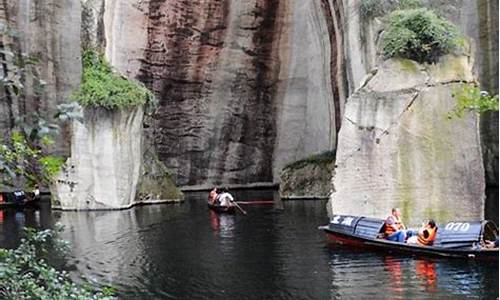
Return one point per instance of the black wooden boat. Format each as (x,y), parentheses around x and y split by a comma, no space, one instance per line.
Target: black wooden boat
(222,209)
(454,239)
(16,199)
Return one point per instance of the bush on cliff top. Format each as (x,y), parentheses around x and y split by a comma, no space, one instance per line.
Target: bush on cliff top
(325,157)
(419,34)
(101,87)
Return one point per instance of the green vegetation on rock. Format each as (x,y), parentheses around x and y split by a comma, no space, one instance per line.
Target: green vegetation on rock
(101,87)
(321,158)
(25,273)
(309,177)
(156,183)
(419,34)
(24,158)
(21,159)
(470,98)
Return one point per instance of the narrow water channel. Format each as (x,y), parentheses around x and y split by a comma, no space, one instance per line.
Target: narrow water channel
(184,251)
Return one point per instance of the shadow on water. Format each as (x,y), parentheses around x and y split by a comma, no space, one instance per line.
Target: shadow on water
(185,251)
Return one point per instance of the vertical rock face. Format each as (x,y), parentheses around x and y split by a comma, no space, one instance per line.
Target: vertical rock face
(214,65)
(244,86)
(488,43)
(48,30)
(105,163)
(476,19)
(397,147)
(311,91)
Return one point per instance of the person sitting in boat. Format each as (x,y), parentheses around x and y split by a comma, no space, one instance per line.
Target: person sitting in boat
(212,197)
(394,227)
(225,199)
(491,244)
(425,236)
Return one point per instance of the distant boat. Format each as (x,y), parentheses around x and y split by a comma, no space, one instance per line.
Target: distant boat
(222,209)
(16,199)
(454,239)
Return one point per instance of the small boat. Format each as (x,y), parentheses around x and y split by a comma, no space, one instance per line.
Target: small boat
(454,239)
(16,199)
(222,209)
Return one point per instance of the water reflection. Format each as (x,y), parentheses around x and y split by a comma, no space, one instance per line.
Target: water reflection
(393,267)
(403,277)
(186,251)
(223,224)
(12,221)
(426,271)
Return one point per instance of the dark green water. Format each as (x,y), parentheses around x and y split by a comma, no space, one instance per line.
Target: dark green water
(184,251)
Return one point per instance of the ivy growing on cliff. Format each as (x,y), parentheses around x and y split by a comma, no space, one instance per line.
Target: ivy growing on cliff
(419,34)
(101,87)
(470,98)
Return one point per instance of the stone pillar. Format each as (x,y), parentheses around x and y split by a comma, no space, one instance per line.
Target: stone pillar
(398,148)
(106,156)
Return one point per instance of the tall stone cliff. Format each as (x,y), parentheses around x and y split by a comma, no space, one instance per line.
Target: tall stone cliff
(244,87)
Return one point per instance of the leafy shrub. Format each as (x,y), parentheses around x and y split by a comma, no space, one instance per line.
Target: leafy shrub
(19,158)
(321,158)
(22,157)
(51,165)
(419,34)
(101,87)
(470,98)
(25,274)
(378,8)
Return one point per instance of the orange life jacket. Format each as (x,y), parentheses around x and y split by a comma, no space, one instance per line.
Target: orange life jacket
(397,222)
(426,241)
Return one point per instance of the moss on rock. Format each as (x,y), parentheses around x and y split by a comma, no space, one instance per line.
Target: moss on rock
(156,183)
(309,177)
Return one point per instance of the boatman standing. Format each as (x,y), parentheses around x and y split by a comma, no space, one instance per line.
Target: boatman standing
(394,227)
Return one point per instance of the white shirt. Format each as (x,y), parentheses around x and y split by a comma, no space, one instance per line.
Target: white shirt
(225,199)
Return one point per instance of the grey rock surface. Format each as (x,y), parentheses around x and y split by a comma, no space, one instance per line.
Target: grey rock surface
(105,164)
(398,148)
(49,31)
(310,181)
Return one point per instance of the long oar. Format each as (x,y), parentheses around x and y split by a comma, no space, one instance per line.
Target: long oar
(256,202)
(241,209)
